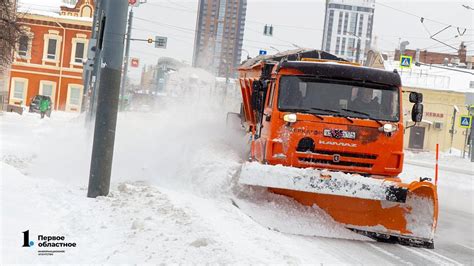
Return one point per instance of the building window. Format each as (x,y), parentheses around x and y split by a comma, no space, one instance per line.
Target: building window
(74,98)
(369,27)
(78,52)
(52,42)
(338,40)
(51,52)
(79,55)
(48,88)
(23,45)
(329,34)
(346,20)
(353,24)
(361,21)
(19,88)
(343,46)
(339,23)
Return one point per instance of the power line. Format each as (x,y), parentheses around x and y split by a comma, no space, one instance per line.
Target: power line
(421,17)
(193,31)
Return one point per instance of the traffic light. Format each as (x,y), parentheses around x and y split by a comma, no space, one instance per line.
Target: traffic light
(150,40)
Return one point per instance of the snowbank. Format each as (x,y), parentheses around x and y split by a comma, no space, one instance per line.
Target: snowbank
(173,181)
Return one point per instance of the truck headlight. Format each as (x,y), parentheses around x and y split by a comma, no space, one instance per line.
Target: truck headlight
(290,118)
(389,128)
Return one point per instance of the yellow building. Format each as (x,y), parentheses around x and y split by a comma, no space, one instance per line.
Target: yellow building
(439,109)
(447,91)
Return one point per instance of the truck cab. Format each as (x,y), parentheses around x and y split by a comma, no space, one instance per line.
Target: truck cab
(323,112)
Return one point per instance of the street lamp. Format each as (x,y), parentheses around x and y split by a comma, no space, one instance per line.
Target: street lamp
(271,47)
(248,54)
(359,40)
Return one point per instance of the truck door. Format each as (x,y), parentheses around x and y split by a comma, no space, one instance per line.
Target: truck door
(263,125)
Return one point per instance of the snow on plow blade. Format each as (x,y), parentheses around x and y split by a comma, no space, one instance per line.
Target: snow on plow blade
(386,210)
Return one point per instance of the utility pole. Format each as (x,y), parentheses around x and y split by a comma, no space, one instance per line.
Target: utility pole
(95,76)
(111,42)
(127,54)
(358,51)
(471,135)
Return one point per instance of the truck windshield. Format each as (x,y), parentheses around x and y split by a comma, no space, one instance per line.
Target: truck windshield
(331,97)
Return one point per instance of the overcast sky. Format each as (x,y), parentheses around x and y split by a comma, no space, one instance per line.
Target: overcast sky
(301,23)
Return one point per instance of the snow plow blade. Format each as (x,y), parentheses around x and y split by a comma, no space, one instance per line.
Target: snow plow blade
(384,209)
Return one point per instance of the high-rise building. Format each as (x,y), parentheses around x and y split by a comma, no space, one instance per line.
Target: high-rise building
(348,28)
(219,36)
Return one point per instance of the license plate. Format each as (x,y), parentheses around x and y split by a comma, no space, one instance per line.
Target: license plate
(339,134)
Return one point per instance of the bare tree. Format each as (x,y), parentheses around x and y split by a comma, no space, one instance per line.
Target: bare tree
(10,31)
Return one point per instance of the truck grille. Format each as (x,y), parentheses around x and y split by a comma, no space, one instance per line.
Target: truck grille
(329,162)
(348,154)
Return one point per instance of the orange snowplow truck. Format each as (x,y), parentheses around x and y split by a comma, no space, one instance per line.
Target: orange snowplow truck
(328,132)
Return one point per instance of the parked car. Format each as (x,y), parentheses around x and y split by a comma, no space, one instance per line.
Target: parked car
(35,104)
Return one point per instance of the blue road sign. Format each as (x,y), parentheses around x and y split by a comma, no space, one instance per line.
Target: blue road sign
(262,52)
(465,121)
(405,61)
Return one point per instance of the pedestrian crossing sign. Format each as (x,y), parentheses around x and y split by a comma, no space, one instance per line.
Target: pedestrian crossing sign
(465,121)
(405,61)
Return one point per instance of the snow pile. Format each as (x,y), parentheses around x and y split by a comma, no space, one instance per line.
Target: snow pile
(173,182)
(450,159)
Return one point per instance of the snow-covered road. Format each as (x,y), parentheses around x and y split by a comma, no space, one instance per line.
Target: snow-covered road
(171,200)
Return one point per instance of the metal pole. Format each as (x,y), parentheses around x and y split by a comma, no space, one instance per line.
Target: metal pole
(127,54)
(452,129)
(471,135)
(95,75)
(471,144)
(466,141)
(112,44)
(358,51)
(87,73)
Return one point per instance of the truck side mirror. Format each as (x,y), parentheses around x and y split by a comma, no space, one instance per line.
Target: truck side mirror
(416,97)
(417,112)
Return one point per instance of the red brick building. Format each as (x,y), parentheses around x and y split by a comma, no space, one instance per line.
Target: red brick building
(435,57)
(49,57)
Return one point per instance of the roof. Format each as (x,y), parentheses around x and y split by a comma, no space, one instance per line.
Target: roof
(434,77)
(47,8)
(292,55)
(43,5)
(334,70)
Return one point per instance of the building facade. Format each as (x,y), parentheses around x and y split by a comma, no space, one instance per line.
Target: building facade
(5,73)
(49,56)
(439,117)
(348,28)
(219,36)
(427,57)
(445,100)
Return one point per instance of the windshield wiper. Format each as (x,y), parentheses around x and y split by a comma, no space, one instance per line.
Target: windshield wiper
(302,110)
(336,113)
(325,110)
(365,114)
